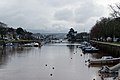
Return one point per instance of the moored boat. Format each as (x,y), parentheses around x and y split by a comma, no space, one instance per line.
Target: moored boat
(36,44)
(31,45)
(104,61)
(90,50)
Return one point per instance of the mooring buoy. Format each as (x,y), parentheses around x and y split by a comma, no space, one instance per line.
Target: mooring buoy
(81,54)
(53,68)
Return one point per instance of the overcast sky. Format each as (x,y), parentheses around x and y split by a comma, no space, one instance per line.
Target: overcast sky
(54,15)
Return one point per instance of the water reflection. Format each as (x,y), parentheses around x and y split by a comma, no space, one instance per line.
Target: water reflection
(8,52)
(101,54)
(3,57)
(22,63)
(71,48)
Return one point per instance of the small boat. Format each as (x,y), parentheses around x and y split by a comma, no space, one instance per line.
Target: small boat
(86,47)
(31,45)
(104,60)
(113,71)
(36,44)
(28,45)
(9,44)
(84,44)
(107,57)
(104,69)
(90,50)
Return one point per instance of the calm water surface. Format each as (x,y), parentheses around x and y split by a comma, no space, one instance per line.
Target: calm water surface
(37,63)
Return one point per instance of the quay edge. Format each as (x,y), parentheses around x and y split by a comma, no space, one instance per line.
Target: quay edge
(107,47)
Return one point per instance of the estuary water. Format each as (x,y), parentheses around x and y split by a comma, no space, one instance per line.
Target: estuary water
(58,61)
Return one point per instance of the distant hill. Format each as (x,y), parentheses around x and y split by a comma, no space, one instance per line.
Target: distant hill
(55,35)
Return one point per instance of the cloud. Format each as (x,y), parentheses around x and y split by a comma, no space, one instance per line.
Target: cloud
(80,14)
(64,14)
(54,15)
(85,12)
(27,14)
(61,3)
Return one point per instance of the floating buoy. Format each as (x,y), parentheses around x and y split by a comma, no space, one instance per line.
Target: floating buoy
(74,53)
(81,54)
(51,74)
(53,68)
(71,58)
(93,79)
(45,64)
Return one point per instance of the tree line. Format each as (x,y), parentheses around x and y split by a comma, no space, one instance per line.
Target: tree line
(73,36)
(107,27)
(14,34)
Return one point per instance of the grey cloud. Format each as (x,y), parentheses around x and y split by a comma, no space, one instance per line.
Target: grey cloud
(88,11)
(61,27)
(86,26)
(64,14)
(62,3)
(80,14)
(46,15)
(24,13)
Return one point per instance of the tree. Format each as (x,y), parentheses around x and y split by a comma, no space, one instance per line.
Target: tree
(102,29)
(116,19)
(115,10)
(20,31)
(83,36)
(28,35)
(3,25)
(11,32)
(10,29)
(106,27)
(3,30)
(71,35)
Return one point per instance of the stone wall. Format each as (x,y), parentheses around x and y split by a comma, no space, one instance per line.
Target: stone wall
(107,47)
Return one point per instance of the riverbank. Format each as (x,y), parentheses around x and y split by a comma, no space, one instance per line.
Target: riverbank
(107,47)
(22,43)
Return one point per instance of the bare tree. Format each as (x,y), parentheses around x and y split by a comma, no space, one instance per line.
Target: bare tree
(115,10)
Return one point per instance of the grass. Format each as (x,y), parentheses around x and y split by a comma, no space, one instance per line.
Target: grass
(116,42)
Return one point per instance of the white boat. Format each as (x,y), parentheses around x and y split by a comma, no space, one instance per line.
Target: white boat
(90,50)
(105,61)
(107,57)
(35,44)
(84,44)
(28,45)
(31,44)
